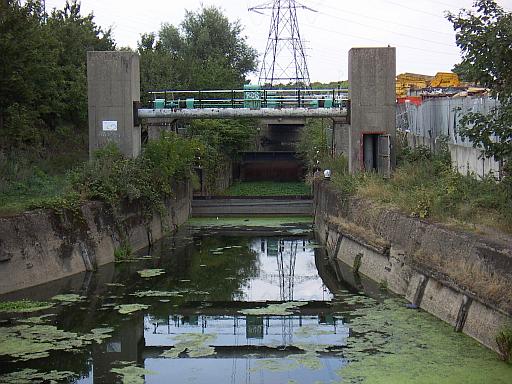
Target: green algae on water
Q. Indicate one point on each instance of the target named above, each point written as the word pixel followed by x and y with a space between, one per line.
pixel 267 222
pixel 283 309
pixel 125 309
pixel 147 273
pixel 68 298
pixel 33 341
pixel 114 284
pixel 194 344
pixel 21 306
pixel 157 294
pixel 399 345
pixel 36 320
pixel 132 374
pixel 31 376
pixel 98 335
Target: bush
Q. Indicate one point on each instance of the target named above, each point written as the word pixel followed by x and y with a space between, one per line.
pixel 504 341
pixel 147 180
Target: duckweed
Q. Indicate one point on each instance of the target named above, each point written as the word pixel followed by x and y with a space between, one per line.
pixel 68 298
pixel 132 374
pixel 21 306
pixel 157 294
pixel 194 344
pixel 33 376
pixel 283 309
pixel 147 273
pixel 125 309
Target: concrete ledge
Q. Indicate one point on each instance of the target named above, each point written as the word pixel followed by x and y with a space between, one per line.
pixel 251 207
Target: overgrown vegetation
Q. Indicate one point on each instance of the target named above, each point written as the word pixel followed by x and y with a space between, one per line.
pixel 43 107
pixel 147 180
pixel 220 143
pixel 504 341
pixel 423 185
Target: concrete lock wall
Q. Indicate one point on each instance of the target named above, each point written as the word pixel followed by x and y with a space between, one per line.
pixel 41 246
pixel 372 74
pixel 113 86
pixel 384 245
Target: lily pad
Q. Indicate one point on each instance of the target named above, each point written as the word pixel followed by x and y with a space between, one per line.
pixel 125 309
pixel 147 273
pixel 36 320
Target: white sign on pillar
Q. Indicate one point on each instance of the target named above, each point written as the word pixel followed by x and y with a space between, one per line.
pixel 109 125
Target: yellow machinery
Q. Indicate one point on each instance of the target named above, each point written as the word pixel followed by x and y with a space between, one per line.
pixel 406 81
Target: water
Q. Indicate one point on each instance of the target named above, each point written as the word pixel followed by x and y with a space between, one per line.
pixel 234 305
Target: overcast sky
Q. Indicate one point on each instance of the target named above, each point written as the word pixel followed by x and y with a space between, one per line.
pixel 423 37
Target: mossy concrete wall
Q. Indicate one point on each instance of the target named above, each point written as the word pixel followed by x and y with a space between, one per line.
pixel 40 246
pixel 383 245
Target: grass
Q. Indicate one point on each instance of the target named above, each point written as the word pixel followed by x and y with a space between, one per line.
pixel 268 188
pixel 426 186
pixel 20 195
pixel 32 176
pixel 474 276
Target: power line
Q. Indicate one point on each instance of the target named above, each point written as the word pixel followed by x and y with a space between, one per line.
pixel 415 9
pixel 378 41
pixel 385 29
pixel 387 21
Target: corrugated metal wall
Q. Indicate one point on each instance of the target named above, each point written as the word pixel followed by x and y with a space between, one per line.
pixel 438 117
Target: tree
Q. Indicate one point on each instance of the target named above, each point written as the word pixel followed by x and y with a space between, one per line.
pixel 206 51
pixel 484 36
pixel 43 69
pixel 76 34
pixel 28 78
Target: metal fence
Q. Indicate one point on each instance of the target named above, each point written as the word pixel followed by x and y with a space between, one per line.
pixel 425 123
pixel 441 117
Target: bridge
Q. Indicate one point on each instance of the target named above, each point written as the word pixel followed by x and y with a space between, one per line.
pixel 363 117
pixel 251 102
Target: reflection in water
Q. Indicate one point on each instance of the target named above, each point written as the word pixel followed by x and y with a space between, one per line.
pixel 194 329
pixel 210 278
pixel 286 272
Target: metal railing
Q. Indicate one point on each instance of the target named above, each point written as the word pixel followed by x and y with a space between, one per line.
pixel 251 98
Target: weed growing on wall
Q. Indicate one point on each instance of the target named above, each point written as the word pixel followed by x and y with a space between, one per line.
pixel 504 341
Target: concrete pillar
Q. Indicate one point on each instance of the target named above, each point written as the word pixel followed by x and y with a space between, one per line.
pixel 341 137
pixel 113 80
pixel 371 75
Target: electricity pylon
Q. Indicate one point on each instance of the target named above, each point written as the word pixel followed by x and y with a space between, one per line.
pixel 284 60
